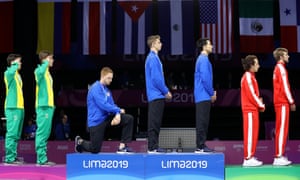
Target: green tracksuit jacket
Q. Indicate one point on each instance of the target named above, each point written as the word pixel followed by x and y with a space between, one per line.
pixel 44 109
pixel 14 110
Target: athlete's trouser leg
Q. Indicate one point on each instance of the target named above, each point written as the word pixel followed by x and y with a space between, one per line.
pixel 251 128
pixel 155 115
pixel 14 126
pixel 44 123
pixel 282 126
pixel 202 122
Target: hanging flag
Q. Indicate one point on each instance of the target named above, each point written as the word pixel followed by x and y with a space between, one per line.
pixel 94 26
pixel 54 26
pixel 134 25
pixel 216 24
pixel 176 27
pixel 256 26
pixel 290 25
pixel 6 24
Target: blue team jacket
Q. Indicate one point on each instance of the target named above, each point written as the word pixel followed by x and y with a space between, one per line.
pixel 155 82
pixel 203 79
pixel 100 104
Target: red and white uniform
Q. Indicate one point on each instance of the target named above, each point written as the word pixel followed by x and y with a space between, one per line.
pixel 282 101
pixel 251 104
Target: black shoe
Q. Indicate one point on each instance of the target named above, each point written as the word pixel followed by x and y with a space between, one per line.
pixel 203 150
pixel 77 146
pixel 157 151
pixel 125 150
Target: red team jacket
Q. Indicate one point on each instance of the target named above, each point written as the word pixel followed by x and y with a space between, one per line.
pixel 250 99
pixel 281 85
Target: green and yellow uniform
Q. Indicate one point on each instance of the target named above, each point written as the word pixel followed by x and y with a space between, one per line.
pixel 44 109
pixel 14 110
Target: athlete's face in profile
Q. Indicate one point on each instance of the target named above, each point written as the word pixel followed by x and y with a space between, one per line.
pixel 255 66
pixel 208 47
pixel 107 79
pixel 286 57
pixel 157 44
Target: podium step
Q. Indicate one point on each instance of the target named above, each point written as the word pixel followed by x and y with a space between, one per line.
pixel 264 172
pixel 175 166
pixel 32 172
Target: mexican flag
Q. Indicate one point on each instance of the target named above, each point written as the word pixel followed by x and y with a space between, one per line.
pixel 256 26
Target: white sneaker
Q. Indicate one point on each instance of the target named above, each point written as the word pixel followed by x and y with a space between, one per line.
pixel 281 161
pixel 252 162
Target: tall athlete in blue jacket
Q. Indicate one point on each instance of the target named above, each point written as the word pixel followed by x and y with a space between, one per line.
pixel 103 112
pixel 204 93
pixel 157 91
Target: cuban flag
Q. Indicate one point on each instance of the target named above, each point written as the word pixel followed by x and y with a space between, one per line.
pixel 134 25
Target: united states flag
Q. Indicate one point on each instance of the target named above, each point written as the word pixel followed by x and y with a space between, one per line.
pixel 216 24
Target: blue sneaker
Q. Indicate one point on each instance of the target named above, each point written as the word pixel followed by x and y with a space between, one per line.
pixel 125 150
pixel 157 151
pixel 204 150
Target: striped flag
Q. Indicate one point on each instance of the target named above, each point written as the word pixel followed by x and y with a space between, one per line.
pixel 216 24
pixel 176 27
pixel 54 26
pixel 256 26
pixel 6 24
pixel 95 26
pixel 290 25
pixel 134 24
